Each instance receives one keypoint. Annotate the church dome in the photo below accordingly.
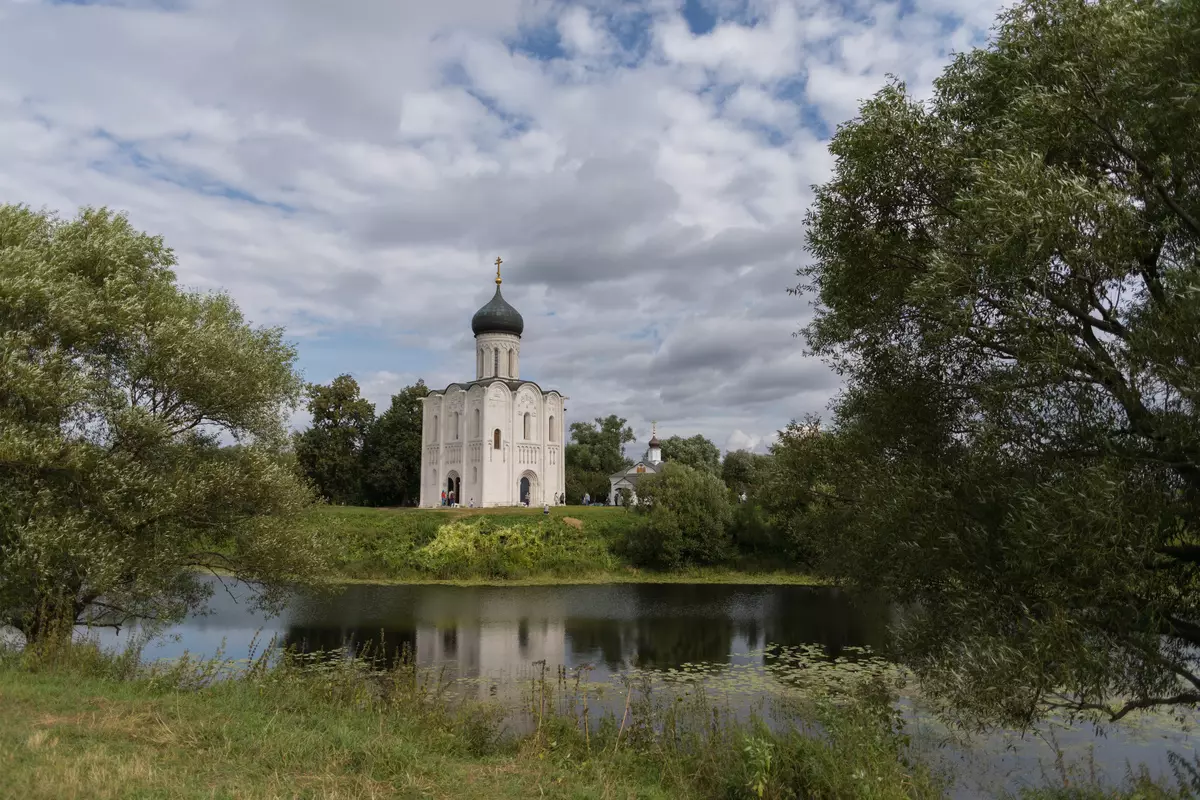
(497, 317)
(654, 441)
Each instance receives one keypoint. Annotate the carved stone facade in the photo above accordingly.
(496, 440)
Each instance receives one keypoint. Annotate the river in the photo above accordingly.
(497, 633)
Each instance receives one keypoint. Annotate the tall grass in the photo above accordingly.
(248, 727)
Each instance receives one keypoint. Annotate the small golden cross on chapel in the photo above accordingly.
(498, 263)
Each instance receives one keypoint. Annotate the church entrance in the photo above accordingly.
(453, 489)
(528, 490)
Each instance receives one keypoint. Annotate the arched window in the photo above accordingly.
(474, 474)
(435, 429)
(553, 435)
(512, 363)
(479, 359)
(456, 426)
(496, 439)
(528, 427)
(477, 431)
(496, 362)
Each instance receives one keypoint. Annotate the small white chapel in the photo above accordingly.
(496, 440)
(628, 478)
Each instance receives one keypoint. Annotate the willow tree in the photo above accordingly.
(118, 391)
(1008, 277)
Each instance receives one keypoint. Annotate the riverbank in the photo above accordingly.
(78, 722)
(87, 725)
(517, 546)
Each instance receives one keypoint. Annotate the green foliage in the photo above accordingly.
(392, 544)
(483, 548)
(742, 471)
(116, 389)
(595, 452)
(1009, 278)
(684, 519)
(392, 450)
(580, 482)
(696, 452)
(330, 452)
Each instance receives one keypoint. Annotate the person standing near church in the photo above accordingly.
(443, 497)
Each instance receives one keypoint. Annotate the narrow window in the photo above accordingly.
(528, 429)
(496, 362)
(435, 428)
(512, 363)
(496, 439)
(477, 431)
(456, 426)
(553, 437)
(479, 359)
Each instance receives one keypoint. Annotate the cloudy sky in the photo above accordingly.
(351, 168)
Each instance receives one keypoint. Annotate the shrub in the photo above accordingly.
(685, 519)
(482, 548)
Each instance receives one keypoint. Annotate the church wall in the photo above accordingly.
(527, 443)
(459, 446)
(496, 467)
(431, 449)
(475, 432)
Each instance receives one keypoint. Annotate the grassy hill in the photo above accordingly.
(573, 544)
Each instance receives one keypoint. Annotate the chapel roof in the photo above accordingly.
(631, 473)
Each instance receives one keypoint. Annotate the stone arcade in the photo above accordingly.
(496, 440)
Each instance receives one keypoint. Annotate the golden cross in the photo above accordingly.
(498, 263)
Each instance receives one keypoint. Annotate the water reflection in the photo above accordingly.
(484, 631)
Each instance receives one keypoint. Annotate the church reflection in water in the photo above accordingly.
(496, 633)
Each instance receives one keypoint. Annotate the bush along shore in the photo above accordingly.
(570, 544)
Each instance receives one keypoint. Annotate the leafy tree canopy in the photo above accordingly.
(116, 392)
(392, 450)
(599, 446)
(696, 452)
(1008, 276)
(743, 471)
(330, 453)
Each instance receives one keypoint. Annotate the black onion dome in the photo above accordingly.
(497, 317)
(654, 441)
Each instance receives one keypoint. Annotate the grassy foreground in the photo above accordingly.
(573, 544)
(81, 724)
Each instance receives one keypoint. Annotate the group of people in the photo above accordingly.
(448, 499)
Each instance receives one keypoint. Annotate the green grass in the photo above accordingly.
(573, 544)
(81, 724)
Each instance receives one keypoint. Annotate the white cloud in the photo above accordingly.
(351, 169)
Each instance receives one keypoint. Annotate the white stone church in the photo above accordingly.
(496, 440)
